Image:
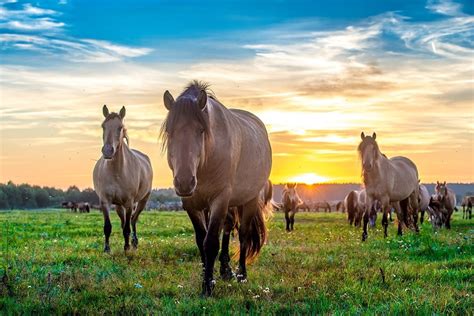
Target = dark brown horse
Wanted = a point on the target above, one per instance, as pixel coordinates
(466, 204)
(220, 158)
(290, 201)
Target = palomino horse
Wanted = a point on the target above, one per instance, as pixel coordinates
(290, 201)
(220, 158)
(466, 204)
(387, 180)
(122, 176)
(447, 198)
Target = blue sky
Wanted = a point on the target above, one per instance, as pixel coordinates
(316, 72)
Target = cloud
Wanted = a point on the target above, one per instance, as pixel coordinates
(444, 7)
(37, 29)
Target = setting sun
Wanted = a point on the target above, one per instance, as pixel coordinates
(308, 178)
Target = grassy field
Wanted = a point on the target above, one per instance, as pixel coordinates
(56, 265)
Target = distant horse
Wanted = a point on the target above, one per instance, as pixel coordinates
(387, 180)
(466, 204)
(340, 206)
(70, 205)
(423, 201)
(290, 201)
(304, 207)
(122, 176)
(350, 204)
(325, 206)
(436, 212)
(220, 158)
(83, 207)
(447, 198)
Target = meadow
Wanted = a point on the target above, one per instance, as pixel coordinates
(51, 261)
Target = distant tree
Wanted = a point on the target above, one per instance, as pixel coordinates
(3, 198)
(73, 194)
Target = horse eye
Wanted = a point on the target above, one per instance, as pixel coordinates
(202, 130)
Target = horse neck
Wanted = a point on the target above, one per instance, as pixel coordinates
(118, 164)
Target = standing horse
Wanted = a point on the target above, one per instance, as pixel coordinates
(387, 180)
(220, 158)
(290, 201)
(466, 204)
(423, 202)
(122, 176)
(447, 198)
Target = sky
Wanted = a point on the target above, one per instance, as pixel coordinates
(316, 72)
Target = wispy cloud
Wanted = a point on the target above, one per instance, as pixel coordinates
(40, 30)
(445, 7)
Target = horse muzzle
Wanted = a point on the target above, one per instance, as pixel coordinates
(185, 187)
(108, 151)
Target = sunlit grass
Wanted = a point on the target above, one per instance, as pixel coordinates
(56, 264)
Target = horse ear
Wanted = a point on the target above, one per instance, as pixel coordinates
(444, 183)
(362, 135)
(202, 99)
(437, 182)
(122, 112)
(168, 100)
(105, 110)
(374, 135)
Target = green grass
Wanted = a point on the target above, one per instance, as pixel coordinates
(56, 265)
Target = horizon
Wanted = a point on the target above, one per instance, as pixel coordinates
(316, 73)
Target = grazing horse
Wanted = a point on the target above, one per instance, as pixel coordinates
(83, 207)
(447, 198)
(350, 204)
(290, 201)
(122, 176)
(322, 205)
(70, 205)
(220, 158)
(387, 180)
(466, 204)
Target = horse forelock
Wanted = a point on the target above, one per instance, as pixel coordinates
(185, 108)
(111, 116)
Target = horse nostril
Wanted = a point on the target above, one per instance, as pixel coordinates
(176, 182)
(108, 150)
(193, 182)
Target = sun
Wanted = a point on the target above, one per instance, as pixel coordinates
(308, 178)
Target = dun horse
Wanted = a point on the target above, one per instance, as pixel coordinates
(423, 202)
(387, 180)
(122, 176)
(466, 204)
(290, 201)
(220, 158)
(447, 199)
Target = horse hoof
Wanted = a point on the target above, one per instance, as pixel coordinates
(207, 288)
(107, 249)
(227, 274)
(135, 243)
(364, 237)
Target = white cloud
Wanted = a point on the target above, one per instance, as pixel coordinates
(444, 7)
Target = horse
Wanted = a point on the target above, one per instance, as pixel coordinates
(340, 206)
(122, 176)
(387, 180)
(219, 158)
(436, 212)
(290, 201)
(447, 198)
(304, 207)
(466, 204)
(70, 205)
(350, 204)
(83, 207)
(322, 205)
(423, 201)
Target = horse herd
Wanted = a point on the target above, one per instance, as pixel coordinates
(221, 160)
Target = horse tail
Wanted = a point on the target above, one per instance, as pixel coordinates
(257, 231)
(268, 192)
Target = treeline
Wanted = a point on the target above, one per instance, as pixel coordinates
(26, 196)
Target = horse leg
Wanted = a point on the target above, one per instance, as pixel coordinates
(292, 219)
(414, 205)
(121, 213)
(107, 225)
(218, 213)
(224, 257)
(366, 222)
(126, 227)
(448, 219)
(287, 218)
(140, 207)
(248, 214)
(198, 220)
(422, 216)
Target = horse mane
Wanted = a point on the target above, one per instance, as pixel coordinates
(186, 106)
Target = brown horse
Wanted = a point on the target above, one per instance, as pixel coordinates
(83, 207)
(220, 158)
(387, 180)
(290, 201)
(340, 206)
(466, 204)
(447, 198)
(122, 176)
(325, 206)
(354, 203)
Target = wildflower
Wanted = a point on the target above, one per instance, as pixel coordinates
(180, 286)
(266, 290)
(138, 286)
(256, 296)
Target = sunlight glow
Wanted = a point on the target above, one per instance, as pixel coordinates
(308, 178)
